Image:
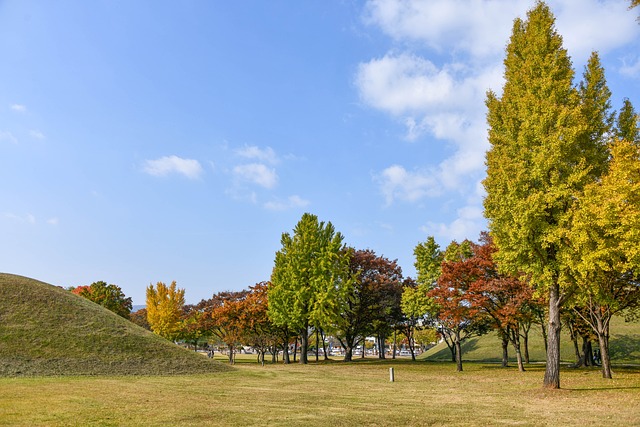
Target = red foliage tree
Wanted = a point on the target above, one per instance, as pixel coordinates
(459, 313)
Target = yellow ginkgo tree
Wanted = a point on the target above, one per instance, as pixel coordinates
(164, 309)
(606, 239)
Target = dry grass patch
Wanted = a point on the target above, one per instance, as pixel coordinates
(328, 393)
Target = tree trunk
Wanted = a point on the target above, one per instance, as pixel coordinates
(381, 347)
(514, 336)
(552, 371)
(324, 345)
(505, 349)
(348, 353)
(574, 339)
(587, 351)
(525, 340)
(304, 345)
(458, 352)
(393, 354)
(317, 345)
(231, 355)
(285, 353)
(545, 338)
(450, 345)
(603, 340)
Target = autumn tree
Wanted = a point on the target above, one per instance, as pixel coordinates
(607, 243)
(139, 317)
(370, 302)
(458, 314)
(542, 154)
(309, 278)
(191, 330)
(258, 330)
(164, 309)
(110, 297)
(223, 318)
(505, 299)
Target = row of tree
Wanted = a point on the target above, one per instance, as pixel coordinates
(563, 183)
(563, 247)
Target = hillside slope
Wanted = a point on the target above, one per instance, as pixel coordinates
(46, 330)
(624, 346)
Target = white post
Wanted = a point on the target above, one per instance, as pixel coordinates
(391, 377)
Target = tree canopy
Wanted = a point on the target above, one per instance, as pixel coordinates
(309, 278)
(109, 296)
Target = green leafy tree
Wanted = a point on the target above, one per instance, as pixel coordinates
(164, 309)
(416, 306)
(110, 297)
(309, 278)
(542, 154)
(429, 257)
(627, 126)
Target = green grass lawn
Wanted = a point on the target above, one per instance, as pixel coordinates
(331, 393)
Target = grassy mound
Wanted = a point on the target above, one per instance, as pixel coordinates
(46, 330)
(624, 346)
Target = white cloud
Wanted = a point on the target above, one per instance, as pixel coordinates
(630, 67)
(173, 164)
(52, 221)
(446, 99)
(256, 173)
(403, 83)
(19, 108)
(481, 28)
(28, 218)
(396, 183)
(36, 134)
(292, 202)
(256, 153)
(8, 136)
(467, 225)
(478, 27)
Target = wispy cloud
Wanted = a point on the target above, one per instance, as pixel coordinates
(630, 67)
(256, 173)
(36, 134)
(8, 136)
(28, 218)
(53, 221)
(396, 183)
(468, 224)
(292, 202)
(19, 108)
(173, 164)
(253, 152)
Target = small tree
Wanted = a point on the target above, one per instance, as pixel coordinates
(164, 309)
(110, 297)
(458, 313)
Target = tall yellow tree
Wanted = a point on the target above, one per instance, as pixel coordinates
(164, 309)
(606, 238)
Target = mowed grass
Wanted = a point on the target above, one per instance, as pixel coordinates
(328, 393)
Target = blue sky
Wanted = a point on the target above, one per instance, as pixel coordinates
(156, 141)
